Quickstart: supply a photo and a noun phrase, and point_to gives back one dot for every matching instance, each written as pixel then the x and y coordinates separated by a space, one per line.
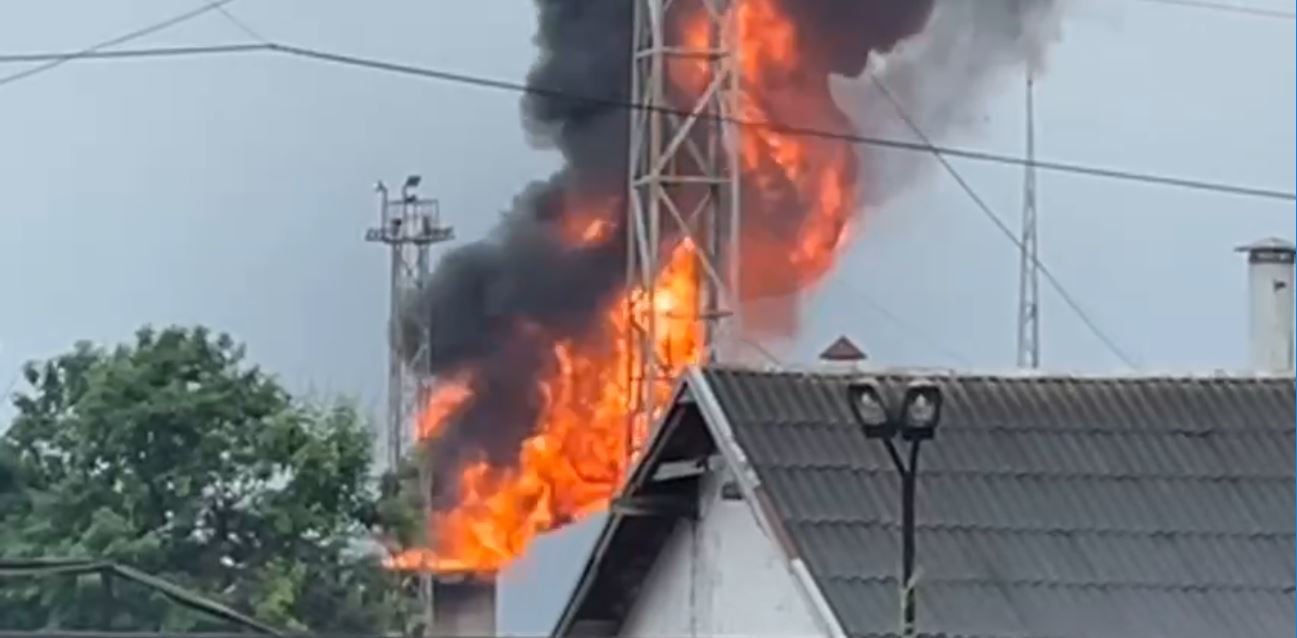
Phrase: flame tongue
pixel 797 202
pixel 569 468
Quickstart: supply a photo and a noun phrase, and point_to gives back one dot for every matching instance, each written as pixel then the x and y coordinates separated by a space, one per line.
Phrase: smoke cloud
pixel 942 76
pixel 495 308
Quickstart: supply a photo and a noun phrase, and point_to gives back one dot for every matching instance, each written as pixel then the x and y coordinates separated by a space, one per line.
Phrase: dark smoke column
pixel 495 307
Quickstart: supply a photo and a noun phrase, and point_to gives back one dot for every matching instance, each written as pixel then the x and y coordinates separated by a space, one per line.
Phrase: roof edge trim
pixel 802 574
pixel 749 484
pixel 613 521
pixel 869 369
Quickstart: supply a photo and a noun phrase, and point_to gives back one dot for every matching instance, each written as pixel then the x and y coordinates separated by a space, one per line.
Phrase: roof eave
pixel 762 510
pixel 693 384
pixel 634 480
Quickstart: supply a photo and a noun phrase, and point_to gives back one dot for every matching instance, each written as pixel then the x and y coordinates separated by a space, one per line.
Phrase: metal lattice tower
pixel 1029 268
pixel 684 172
pixel 409 225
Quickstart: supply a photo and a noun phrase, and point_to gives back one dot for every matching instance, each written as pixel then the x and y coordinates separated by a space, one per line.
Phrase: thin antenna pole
pixel 1029 267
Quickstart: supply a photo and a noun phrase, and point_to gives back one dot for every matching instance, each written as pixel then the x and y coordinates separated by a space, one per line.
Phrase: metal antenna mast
pixel 1029 268
pixel 684 175
pixel 409 225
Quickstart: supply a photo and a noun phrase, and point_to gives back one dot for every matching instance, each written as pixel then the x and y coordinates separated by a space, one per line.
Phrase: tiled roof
pixel 1047 506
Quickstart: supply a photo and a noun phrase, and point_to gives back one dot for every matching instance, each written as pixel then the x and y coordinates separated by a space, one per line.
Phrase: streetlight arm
pixel 896 456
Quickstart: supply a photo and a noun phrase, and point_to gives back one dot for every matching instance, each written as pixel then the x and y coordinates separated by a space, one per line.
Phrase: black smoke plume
pixel 941 77
pixel 494 308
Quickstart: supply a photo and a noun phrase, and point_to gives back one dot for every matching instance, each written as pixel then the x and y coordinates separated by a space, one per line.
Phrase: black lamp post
pixel 914 418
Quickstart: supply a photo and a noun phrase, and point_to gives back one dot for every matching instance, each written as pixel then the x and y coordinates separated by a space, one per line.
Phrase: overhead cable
pixel 779 127
pixel 990 214
pixel 64 58
pixel 1210 5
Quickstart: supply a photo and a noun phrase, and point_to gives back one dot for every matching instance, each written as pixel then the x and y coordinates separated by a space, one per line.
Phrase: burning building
pixel 529 426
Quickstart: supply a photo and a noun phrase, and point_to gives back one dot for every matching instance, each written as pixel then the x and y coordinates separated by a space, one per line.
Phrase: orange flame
pixel 571 465
pixel 446 399
pixel 816 173
pixel 569 468
pixel 581 231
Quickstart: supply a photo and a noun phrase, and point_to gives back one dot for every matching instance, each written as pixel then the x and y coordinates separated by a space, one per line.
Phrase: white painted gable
pixel 720 576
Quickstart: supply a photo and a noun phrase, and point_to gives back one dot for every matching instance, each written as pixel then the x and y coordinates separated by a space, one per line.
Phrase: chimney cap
pixel 463 577
pixel 843 349
pixel 1269 243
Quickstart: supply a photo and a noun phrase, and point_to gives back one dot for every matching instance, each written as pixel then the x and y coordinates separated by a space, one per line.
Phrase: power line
pixel 761 350
pixel 121 39
pixel 153 52
pixel 779 127
pixel 1228 8
pixel 909 327
pixel 990 214
pixel 241 25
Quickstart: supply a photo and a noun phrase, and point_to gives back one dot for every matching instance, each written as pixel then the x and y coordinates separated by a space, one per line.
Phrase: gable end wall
pixel 720 576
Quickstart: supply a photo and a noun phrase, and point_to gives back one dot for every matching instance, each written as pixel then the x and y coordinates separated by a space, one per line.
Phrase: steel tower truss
pixel 409 225
pixel 684 175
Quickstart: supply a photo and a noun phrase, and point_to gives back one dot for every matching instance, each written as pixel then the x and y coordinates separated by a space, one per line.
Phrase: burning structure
pixel 690 191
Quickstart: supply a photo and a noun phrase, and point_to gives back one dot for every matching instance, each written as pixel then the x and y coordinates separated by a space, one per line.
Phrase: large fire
pixel 572 463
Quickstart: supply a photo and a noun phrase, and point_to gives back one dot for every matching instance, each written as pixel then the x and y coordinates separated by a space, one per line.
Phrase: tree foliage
pixel 173 455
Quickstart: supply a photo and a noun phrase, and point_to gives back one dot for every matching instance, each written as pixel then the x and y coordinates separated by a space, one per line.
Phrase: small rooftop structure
pixel 1277 244
pixel 1271 279
pixel 843 349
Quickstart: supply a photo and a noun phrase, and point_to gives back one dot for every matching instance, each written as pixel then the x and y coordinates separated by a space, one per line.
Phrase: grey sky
pixel 235 192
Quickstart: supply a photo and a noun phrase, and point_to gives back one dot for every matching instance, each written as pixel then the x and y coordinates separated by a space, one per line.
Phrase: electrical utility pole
pixel 408 225
pixel 684 177
pixel 1029 268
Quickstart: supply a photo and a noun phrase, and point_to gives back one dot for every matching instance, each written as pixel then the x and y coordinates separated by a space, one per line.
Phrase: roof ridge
pixel 1287 588
pixel 874 369
pixel 887 523
pixel 1004 425
pixel 1137 429
pixel 1038 474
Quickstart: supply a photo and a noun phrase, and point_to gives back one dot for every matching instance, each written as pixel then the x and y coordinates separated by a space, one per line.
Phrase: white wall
pixel 1270 300
pixel 720 577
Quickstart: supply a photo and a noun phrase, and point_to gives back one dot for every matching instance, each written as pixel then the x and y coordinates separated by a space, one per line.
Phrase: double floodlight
pixel 407 189
pixel 882 414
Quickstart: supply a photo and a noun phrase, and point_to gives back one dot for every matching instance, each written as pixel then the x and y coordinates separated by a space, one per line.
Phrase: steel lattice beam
pixel 684 172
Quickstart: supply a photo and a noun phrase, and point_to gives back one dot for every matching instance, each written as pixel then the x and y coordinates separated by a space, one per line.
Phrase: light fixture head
pixel 920 410
pixel 871 410
pixel 413 181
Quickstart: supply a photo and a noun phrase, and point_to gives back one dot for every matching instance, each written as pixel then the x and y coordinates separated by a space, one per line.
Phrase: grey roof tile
pixel 1059 506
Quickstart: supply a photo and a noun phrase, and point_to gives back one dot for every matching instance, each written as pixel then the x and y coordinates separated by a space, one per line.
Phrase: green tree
pixel 173 455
